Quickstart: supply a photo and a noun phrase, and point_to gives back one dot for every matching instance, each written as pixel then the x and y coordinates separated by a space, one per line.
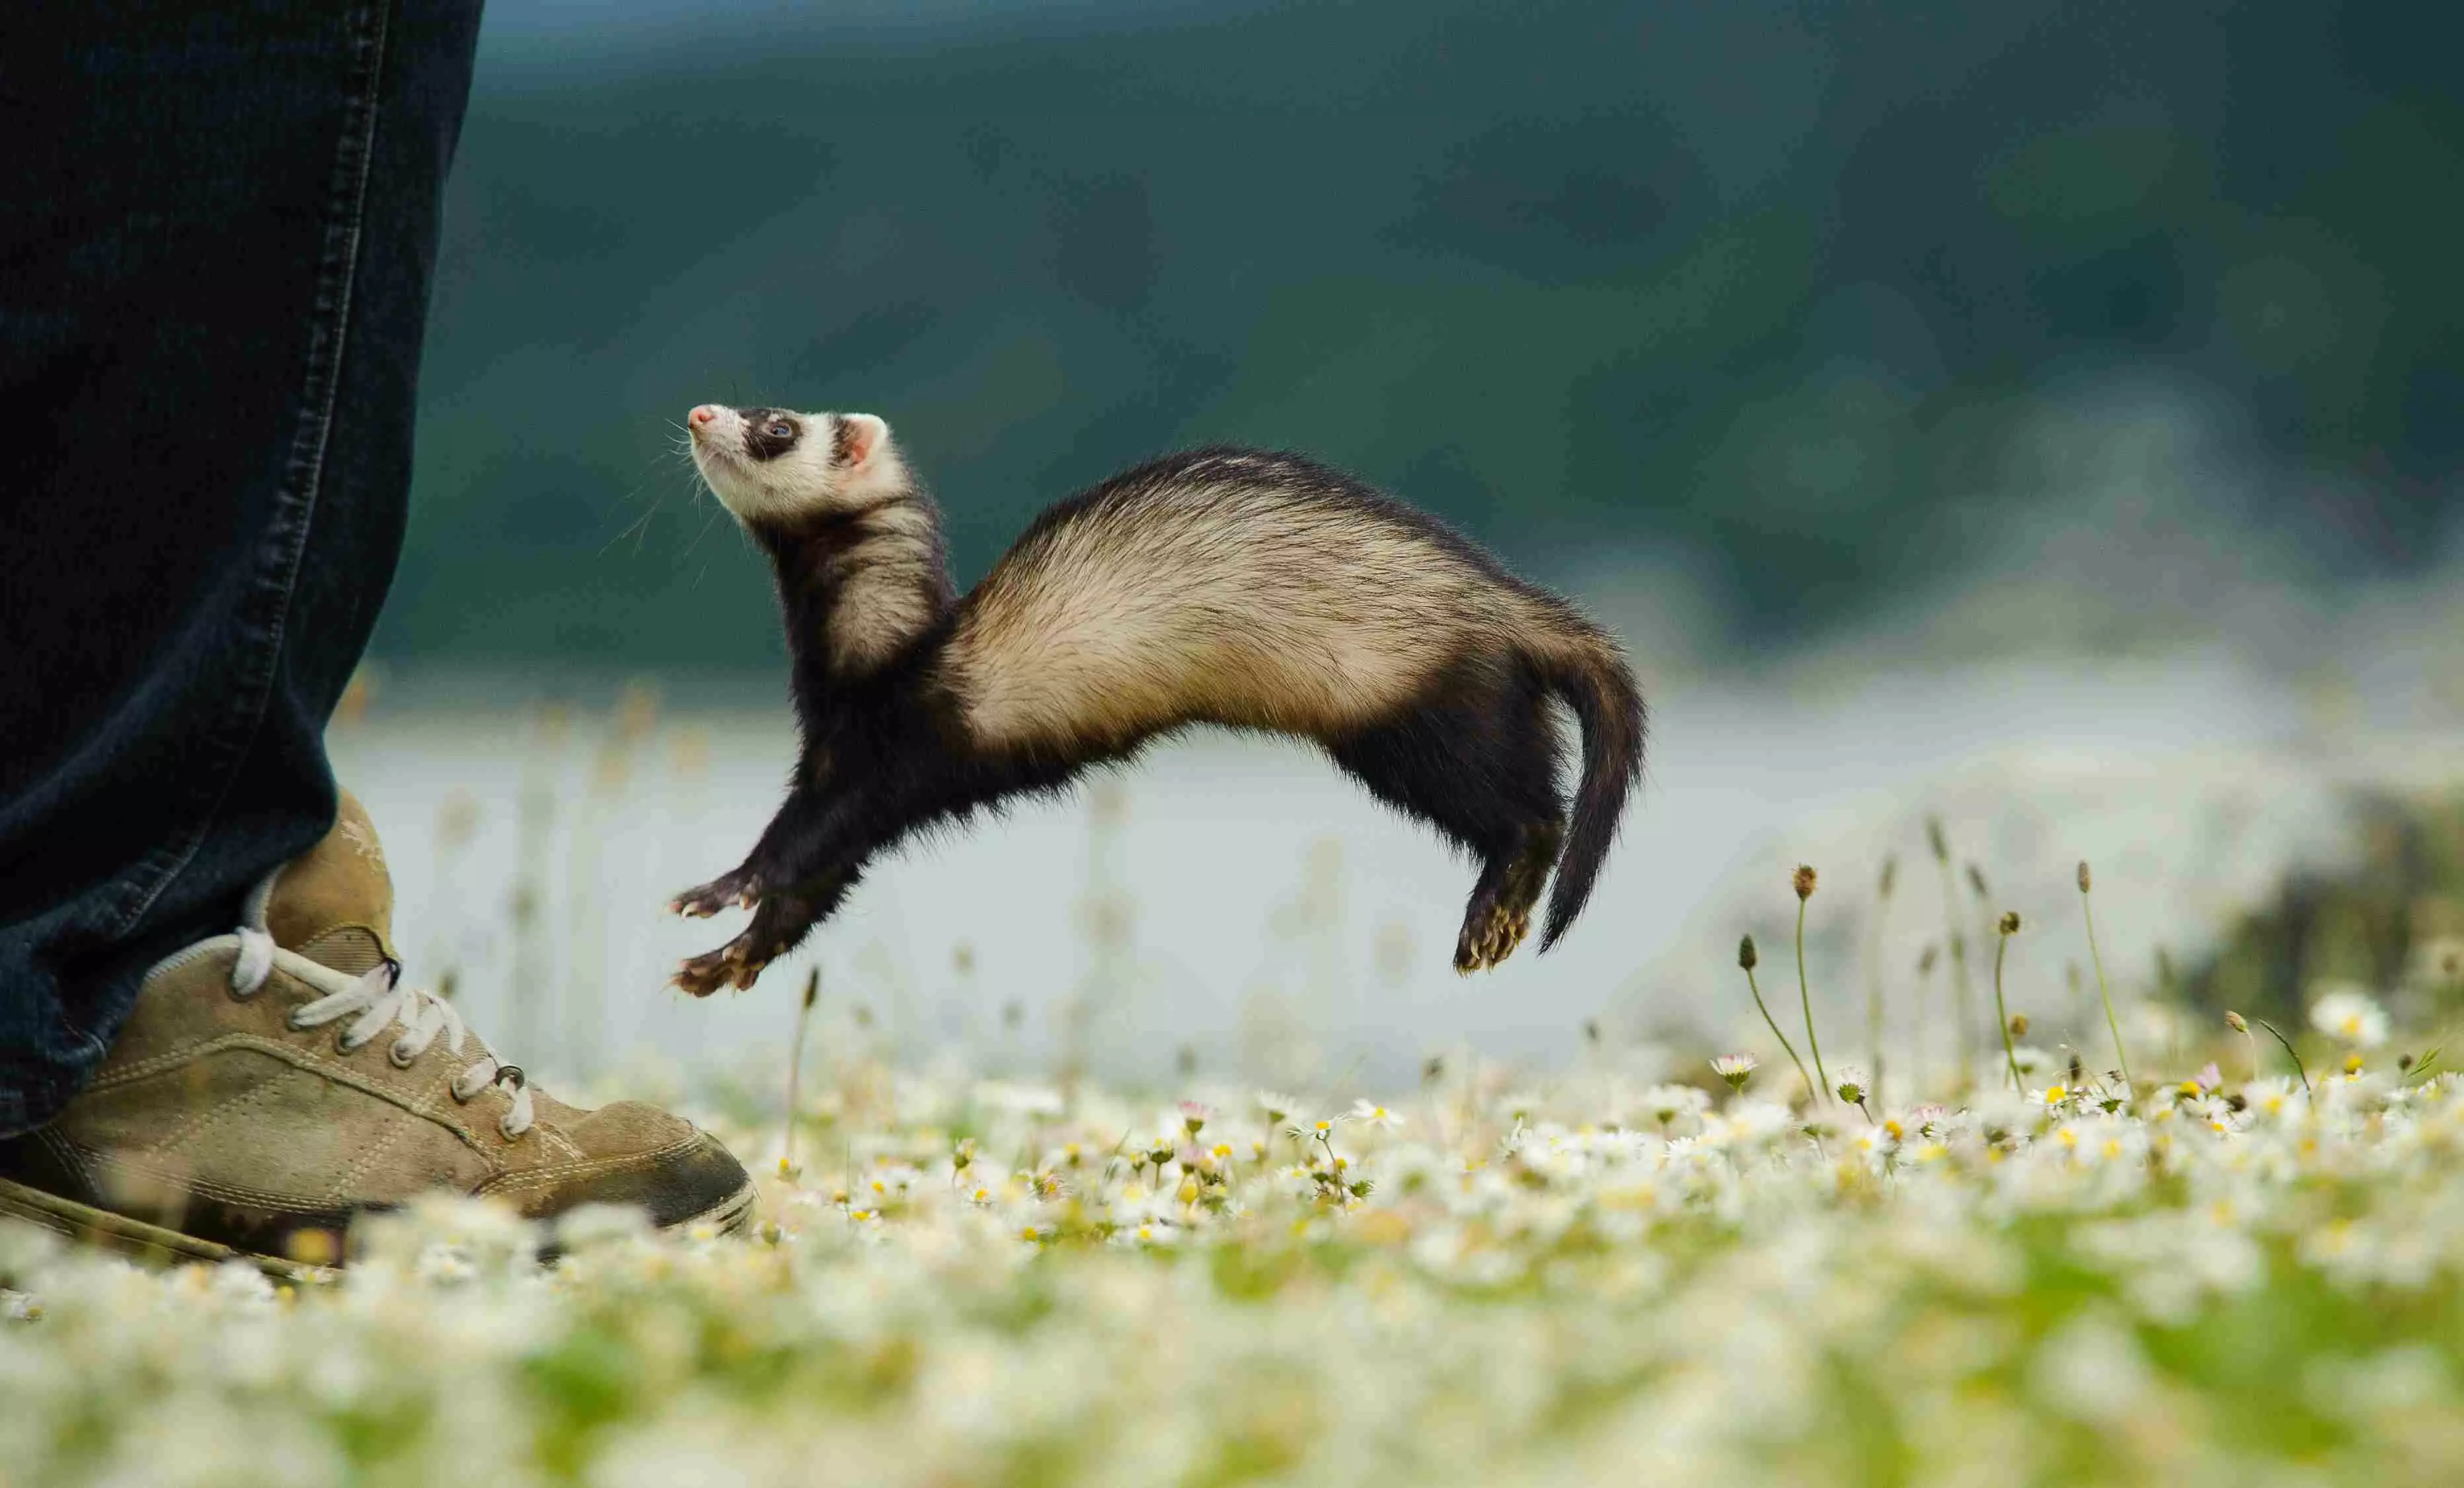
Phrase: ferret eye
pixel 781 429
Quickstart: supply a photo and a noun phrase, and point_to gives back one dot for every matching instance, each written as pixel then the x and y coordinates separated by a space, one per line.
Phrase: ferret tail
pixel 1591 676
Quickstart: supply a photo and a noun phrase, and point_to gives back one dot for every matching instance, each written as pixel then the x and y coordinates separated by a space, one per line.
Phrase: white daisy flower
pixel 1370 1114
pixel 2348 1015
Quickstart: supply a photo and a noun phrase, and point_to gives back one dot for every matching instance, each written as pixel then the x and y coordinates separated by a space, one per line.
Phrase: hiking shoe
pixel 275 1083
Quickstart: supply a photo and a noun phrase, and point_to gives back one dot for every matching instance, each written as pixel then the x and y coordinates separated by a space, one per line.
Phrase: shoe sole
pixel 87 1225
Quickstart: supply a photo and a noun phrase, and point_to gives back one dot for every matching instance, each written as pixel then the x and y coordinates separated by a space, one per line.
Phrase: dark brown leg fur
pixel 1500 913
pixel 780 923
pixel 791 879
pixel 1478 762
pixel 809 857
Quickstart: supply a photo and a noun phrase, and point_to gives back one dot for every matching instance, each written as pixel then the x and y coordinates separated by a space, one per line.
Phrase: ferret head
pixel 774 465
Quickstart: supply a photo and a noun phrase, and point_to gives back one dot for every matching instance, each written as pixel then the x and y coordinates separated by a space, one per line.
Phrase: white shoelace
pixel 381 997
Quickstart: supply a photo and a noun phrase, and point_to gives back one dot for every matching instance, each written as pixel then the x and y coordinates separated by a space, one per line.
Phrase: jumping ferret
pixel 1225 586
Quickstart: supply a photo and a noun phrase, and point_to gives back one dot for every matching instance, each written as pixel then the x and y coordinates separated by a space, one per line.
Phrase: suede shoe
pixel 275 1083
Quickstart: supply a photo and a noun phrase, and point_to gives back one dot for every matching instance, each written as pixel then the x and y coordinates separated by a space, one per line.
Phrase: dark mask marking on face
pixel 761 442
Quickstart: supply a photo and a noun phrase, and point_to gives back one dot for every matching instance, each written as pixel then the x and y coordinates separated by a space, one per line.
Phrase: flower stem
pixel 1918 1069
pixel 2009 1053
pixel 1805 998
pixel 1756 989
pixel 1874 1016
pixel 796 1062
pixel 1963 1008
pixel 2112 1024
pixel 2288 1049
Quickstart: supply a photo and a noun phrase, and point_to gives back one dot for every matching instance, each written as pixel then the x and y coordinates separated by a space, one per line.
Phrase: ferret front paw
pixel 739 889
pixel 731 965
pixel 779 923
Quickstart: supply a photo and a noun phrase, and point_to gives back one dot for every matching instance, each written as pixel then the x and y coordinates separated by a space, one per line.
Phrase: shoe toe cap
pixel 640 1155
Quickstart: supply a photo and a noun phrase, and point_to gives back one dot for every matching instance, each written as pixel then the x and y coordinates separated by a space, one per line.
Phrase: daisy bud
pixel 1850 1087
pixel 2084 877
pixel 1746 956
pixel 1804 882
pixel 2019 1025
pixel 2010 922
pixel 1734 1068
pixel 2237 1022
pixel 1933 835
pixel 1976 882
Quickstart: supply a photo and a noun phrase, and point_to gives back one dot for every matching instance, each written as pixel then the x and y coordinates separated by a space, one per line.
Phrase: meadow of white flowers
pixel 2230 1279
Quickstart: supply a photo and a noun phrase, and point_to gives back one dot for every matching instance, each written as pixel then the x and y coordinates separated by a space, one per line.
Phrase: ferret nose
pixel 702 415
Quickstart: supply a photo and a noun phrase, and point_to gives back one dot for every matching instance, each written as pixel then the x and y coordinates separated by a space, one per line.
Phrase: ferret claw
pixel 1489 936
pixel 737 890
pixel 737 964
pixel 699 977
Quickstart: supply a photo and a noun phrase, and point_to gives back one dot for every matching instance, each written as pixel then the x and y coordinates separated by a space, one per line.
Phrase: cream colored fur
pixel 892 588
pixel 1222 599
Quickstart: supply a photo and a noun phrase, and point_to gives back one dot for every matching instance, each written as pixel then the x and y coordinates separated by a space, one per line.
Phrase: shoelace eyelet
pixel 343 1043
pixel 505 1127
pixel 401 1058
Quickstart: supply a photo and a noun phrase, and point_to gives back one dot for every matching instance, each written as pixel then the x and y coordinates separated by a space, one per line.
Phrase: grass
pixel 996 1283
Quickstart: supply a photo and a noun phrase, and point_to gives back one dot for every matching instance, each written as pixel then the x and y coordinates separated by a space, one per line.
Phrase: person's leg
pixel 217 224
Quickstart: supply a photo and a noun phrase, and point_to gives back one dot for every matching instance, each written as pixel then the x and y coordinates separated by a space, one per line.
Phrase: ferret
pixel 1238 587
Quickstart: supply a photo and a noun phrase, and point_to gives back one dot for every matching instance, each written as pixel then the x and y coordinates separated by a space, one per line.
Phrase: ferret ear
pixel 857 437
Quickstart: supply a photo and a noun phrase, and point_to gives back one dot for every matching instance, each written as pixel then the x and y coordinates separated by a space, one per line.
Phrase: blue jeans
pixel 217 225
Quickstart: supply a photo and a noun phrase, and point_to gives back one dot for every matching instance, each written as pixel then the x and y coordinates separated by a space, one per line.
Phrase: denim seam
pixel 337 282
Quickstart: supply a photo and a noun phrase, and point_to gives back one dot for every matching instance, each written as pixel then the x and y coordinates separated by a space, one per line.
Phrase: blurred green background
pixel 1753 300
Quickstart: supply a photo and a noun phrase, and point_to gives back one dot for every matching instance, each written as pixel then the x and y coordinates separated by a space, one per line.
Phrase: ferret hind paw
pixel 1490 934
